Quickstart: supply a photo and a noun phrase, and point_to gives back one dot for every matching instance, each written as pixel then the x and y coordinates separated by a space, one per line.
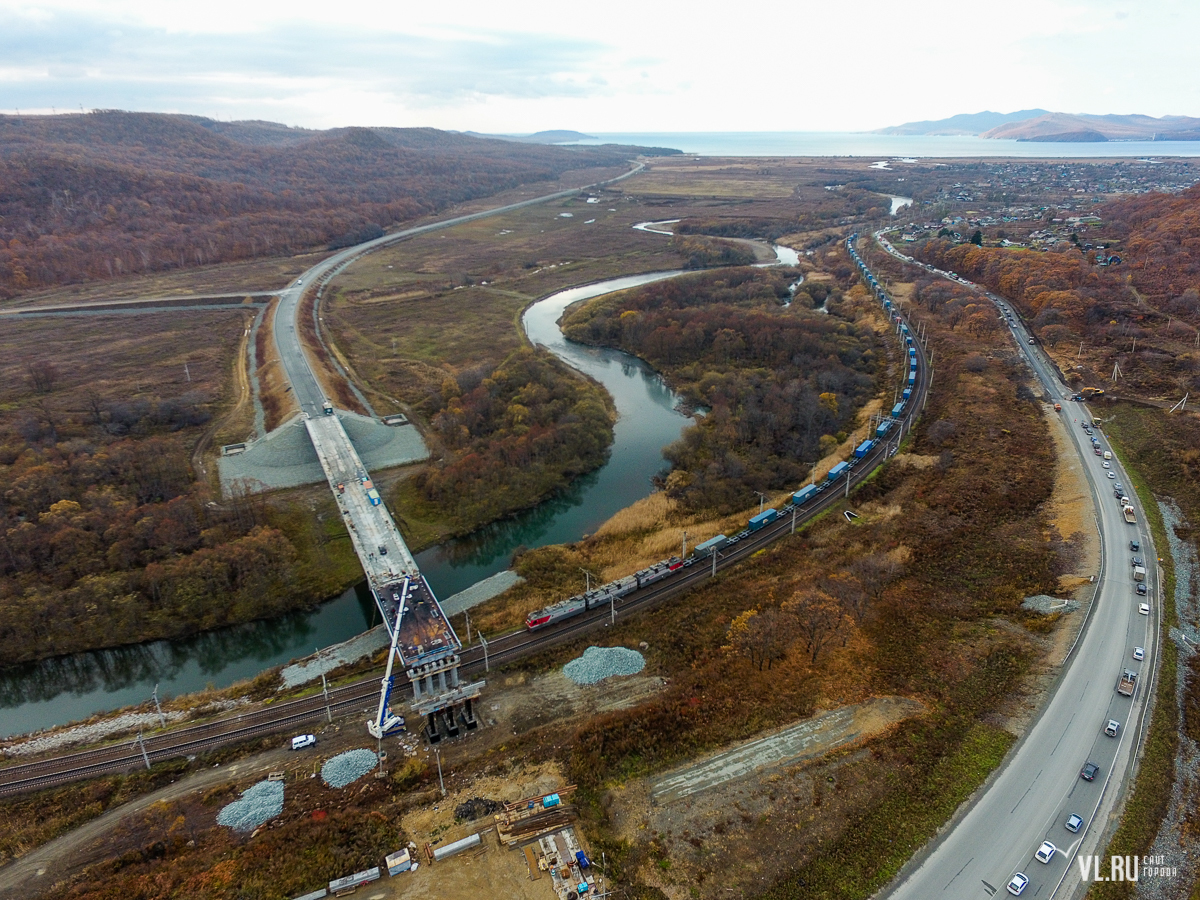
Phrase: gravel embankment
pixel 127 723
pixel 598 663
pixel 348 767
pixel 1047 605
pixel 333 657
pixel 258 804
pixel 1177 846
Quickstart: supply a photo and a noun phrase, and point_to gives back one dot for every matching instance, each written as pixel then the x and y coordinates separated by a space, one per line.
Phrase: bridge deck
pixel 424 632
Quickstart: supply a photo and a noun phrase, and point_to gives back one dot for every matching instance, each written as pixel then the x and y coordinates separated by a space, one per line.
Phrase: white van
pixel 1107 455
pixel 300 741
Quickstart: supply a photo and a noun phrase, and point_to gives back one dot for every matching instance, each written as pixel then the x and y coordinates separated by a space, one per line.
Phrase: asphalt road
pixel 1030 797
pixel 295 363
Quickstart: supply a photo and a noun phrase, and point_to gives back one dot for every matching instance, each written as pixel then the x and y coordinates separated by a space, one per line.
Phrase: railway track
pixel 280 717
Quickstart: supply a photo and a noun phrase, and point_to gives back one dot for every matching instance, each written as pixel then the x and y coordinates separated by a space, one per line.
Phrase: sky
pixel 619 66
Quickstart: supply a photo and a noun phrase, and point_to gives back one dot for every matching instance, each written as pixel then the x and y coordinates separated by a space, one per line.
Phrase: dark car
pixel 1137 561
pixel 1135 546
pixel 1141 588
pixel 1089 771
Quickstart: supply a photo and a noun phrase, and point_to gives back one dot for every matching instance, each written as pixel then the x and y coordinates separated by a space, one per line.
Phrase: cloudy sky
pixel 616 66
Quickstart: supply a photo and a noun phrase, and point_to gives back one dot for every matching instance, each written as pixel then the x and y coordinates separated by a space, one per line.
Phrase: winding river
pixel 67 689
pixel 70 688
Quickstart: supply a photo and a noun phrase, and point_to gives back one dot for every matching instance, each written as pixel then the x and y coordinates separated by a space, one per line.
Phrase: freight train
pixel 609 594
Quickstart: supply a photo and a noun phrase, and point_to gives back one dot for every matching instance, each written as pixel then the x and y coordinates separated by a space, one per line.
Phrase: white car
pixel 1106 465
pixel 1139 653
pixel 300 741
pixel 1112 474
pixel 1017 884
pixel 1046 852
pixel 1144 609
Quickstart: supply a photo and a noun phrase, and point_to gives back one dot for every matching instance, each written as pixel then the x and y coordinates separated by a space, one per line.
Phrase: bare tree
pixel 762 637
pixel 849 592
pixel 42 375
pixel 819 618
pixel 875 572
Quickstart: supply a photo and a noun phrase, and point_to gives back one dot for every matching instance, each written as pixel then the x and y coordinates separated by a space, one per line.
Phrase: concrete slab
pixel 490 587
pixel 285 458
pixel 806 740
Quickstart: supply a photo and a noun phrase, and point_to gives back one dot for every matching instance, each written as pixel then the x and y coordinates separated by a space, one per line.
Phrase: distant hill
pixel 560 136
pixel 111 193
pixel 963 123
pixel 1067 127
pixel 1040 125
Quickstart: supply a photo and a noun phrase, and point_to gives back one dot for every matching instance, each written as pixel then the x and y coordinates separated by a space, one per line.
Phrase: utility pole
pixel 438 753
pixel 325 691
pixel 587 579
pixel 162 720
pixel 483 641
pixel 467 613
pixel 793 531
pixel 762 499
pixel 1079 355
pixel 142 745
pixel 187 373
pixel 683 552
pixel 714 568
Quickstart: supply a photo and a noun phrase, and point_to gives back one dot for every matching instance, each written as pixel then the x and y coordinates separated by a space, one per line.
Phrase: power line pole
pixel 162 720
pixel 142 746
pixel 325 691
pixel 483 641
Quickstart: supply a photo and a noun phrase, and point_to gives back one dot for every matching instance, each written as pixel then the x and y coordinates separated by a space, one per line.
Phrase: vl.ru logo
pixel 1121 868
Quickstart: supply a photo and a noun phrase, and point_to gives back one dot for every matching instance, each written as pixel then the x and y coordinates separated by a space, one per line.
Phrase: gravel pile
pixel 1176 845
pixel 598 663
pixel 258 804
pixel 1047 605
pixel 348 767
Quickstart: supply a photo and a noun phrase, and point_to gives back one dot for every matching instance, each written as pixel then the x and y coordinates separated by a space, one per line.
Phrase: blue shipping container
pixel 706 547
pixel 912 376
pixel 863 449
pixel 907 393
pixel 908 339
pixel 373 496
pixel 805 493
pixel 551 800
pixel 838 471
pixel 766 517
pixel 898 410
pixel 882 429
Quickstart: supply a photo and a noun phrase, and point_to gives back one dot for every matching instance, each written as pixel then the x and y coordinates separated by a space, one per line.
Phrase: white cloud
pixel 620 66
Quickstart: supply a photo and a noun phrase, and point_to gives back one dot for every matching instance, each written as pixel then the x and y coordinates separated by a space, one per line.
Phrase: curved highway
pixel 1030 798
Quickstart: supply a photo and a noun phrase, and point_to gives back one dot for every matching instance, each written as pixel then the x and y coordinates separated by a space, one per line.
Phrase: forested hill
pixel 108 193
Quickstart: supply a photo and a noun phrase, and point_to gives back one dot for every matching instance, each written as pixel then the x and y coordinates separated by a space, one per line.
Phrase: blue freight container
pixel 907 393
pixel 882 429
pixel 838 471
pixel 912 376
pixel 805 493
pixel 863 449
pixel 898 410
pixel 766 517
pixel 549 801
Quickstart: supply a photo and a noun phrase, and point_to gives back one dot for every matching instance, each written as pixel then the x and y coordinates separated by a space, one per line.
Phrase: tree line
pixel 512 433
pixel 779 385
pixel 110 193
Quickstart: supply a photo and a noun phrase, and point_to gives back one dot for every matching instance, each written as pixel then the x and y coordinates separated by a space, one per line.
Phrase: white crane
pixel 385 722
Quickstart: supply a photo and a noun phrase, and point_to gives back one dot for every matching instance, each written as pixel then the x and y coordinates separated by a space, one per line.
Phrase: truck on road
pixel 1127 511
pixel 1139 573
pixel 1127 684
